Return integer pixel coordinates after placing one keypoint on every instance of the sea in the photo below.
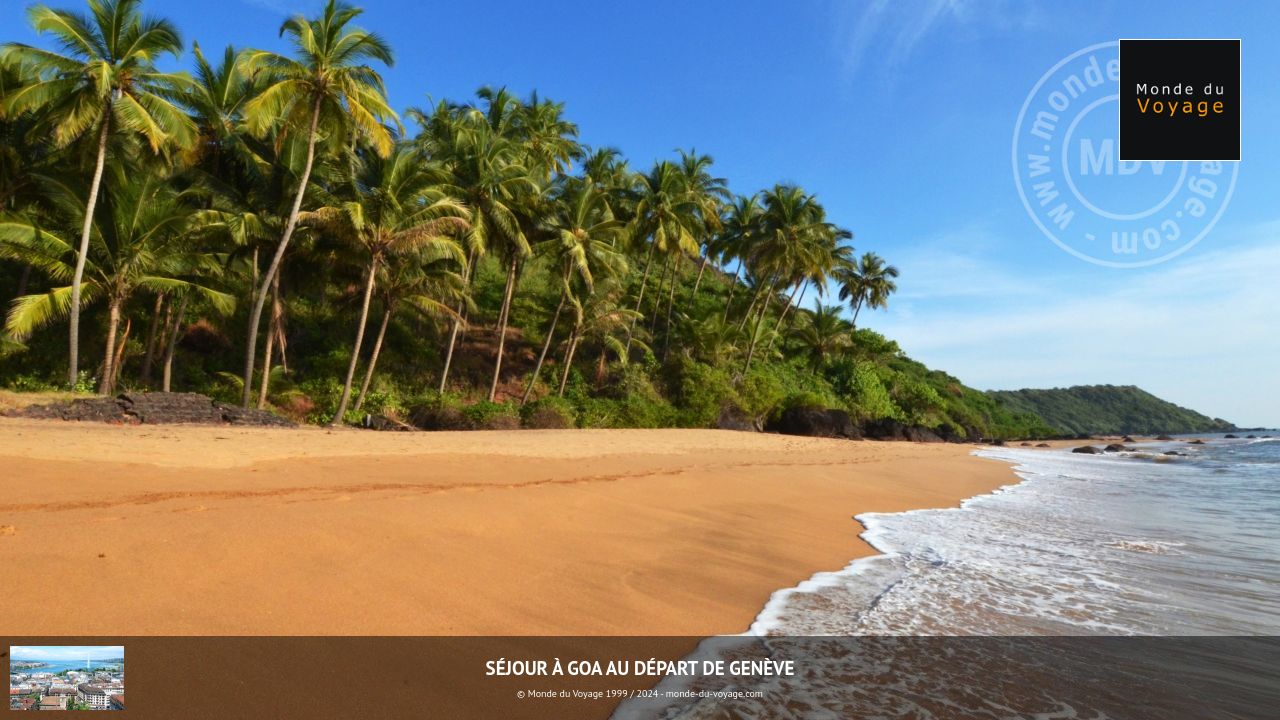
(57, 666)
(1136, 584)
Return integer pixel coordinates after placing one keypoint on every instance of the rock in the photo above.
(915, 433)
(1173, 452)
(735, 418)
(1025, 444)
(884, 429)
(1087, 450)
(1229, 436)
(154, 409)
(1195, 442)
(170, 408)
(1126, 438)
(1251, 437)
(1164, 437)
(815, 422)
(1115, 447)
(1043, 445)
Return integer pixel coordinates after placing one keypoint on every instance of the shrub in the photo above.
(865, 394)
(701, 393)
(549, 413)
(486, 415)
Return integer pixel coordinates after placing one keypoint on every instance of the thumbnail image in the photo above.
(66, 677)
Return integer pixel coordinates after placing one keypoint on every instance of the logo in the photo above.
(1082, 196)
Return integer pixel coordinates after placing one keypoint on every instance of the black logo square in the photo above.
(1179, 99)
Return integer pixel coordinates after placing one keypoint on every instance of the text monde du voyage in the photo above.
(1180, 99)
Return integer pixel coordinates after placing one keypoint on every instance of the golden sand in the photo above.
(147, 530)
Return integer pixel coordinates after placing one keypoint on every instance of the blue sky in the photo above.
(899, 115)
(54, 653)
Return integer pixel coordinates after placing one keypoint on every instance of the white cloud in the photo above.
(891, 31)
(53, 653)
(1199, 331)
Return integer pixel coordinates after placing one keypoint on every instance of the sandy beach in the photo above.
(185, 530)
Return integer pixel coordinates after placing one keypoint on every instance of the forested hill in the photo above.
(1102, 409)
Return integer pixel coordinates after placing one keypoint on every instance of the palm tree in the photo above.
(601, 320)
(666, 217)
(741, 229)
(579, 242)
(141, 241)
(429, 281)
(398, 209)
(104, 81)
(791, 226)
(327, 87)
(709, 194)
(481, 147)
(868, 283)
(823, 334)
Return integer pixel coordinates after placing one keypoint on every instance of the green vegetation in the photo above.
(487, 271)
(1108, 409)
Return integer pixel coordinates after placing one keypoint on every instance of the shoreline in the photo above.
(346, 532)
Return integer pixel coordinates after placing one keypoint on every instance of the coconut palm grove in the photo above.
(271, 230)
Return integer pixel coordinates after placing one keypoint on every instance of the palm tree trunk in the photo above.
(107, 385)
(856, 309)
(755, 334)
(355, 351)
(255, 317)
(83, 254)
(702, 267)
(174, 333)
(733, 285)
(121, 346)
(23, 281)
(457, 322)
(503, 316)
(671, 301)
(537, 368)
(568, 361)
(144, 376)
(373, 359)
(791, 300)
(644, 280)
(273, 330)
(764, 290)
(657, 306)
(783, 317)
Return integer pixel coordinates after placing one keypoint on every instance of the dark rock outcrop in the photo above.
(1163, 437)
(1126, 438)
(916, 433)
(1043, 445)
(1195, 442)
(815, 422)
(156, 408)
(1117, 447)
(1087, 450)
(1229, 436)
(735, 418)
